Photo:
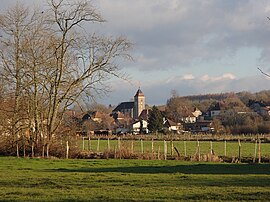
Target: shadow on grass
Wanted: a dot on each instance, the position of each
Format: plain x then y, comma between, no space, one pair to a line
185,169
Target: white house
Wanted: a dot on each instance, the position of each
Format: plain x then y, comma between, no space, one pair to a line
171,126
140,125
196,112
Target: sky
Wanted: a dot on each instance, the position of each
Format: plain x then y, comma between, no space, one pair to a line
189,46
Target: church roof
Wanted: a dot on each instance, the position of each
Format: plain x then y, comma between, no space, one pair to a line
139,93
124,105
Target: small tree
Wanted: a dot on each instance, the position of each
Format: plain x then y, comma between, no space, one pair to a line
155,120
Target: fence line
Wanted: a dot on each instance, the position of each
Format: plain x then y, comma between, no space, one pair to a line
238,150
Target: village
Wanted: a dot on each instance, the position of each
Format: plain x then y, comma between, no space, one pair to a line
132,117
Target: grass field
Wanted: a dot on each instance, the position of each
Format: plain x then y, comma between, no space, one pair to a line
247,148
131,180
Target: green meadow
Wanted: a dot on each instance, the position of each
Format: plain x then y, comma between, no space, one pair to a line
24,179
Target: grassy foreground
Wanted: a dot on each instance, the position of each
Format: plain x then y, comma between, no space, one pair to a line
131,180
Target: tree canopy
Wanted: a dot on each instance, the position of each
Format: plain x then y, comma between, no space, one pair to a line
155,122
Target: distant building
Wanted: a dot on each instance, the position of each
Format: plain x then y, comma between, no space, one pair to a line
215,110
132,109
139,104
259,107
125,108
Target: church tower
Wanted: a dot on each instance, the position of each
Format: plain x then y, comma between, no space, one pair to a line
139,104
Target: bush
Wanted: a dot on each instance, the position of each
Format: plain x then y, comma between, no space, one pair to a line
263,128
247,129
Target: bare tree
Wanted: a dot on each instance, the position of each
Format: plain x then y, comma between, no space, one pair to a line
14,24
51,63
81,63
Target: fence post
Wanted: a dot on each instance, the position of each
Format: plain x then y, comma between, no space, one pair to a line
225,148
67,150
132,147
259,152
89,143
165,150
185,148
171,148
198,150
211,148
119,143
158,153
239,150
17,148
152,146
32,148
109,146
83,143
255,152
142,146
98,145
114,152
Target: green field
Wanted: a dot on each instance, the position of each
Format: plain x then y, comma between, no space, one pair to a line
247,148
131,180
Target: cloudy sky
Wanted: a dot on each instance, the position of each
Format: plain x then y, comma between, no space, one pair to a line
191,46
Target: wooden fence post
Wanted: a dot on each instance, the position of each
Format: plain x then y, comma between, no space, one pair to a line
225,148
198,150
32,149
43,150
119,147
171,148
83,143
98,145
89,143
185,148
132,147
67,147
165,150
109,146
152,146
158,153
17,149
259,151
119,143
255,152
211,148
239,150
142,146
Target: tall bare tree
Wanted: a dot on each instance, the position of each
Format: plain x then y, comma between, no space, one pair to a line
81,63
14,25
50,62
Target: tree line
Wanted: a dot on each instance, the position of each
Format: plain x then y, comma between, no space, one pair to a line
236,116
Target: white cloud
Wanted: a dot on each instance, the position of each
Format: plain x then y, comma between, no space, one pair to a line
225,76
188,77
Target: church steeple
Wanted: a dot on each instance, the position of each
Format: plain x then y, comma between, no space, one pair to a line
139,103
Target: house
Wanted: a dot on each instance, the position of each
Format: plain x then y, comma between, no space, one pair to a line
121,124
196,112
139,127
215,110
188,117
171,126
259,107
145,114
93,115
200,126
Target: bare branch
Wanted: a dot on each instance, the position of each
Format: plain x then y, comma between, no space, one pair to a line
268,75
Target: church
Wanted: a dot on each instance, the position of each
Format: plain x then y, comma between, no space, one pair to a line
132,109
